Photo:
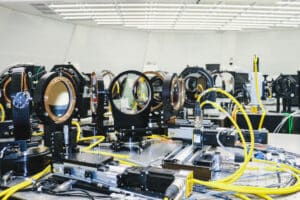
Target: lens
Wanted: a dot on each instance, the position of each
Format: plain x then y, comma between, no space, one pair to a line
191,84
175,93
133,95
59,99
225,81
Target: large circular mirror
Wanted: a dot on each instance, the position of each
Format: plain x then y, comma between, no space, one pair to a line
134,93
224,80
108,76
59,99
195,84
196,80
6,90
177,93
156,80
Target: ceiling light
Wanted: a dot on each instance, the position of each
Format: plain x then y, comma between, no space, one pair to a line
137,17
215,10
159,21
259,18
204,17
80,5
286,25
138,20
247,24
184,15
85,14
116,12
265,15
291,22
289,2
113,9
172,23
209,14
78,17
84,10
202,20
109,23
276,7
166,5
253,22
274,12
249,27
217,6
191,28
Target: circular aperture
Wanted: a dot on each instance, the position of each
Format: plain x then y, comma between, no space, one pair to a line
177,93
6,90
156,80
195,84
107,79
225,81
60,99
284,86
134,94
191,84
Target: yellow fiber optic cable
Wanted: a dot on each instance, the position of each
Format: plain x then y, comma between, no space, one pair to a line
10,191
218,107
263,114
242,196
2,112
259,190
100,139
235,176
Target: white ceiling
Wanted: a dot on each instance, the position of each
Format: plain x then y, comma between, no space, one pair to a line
231,15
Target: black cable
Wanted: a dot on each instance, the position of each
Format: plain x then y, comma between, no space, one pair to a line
48,186
78,195
73,192
83,191
279,179
219,195
292,181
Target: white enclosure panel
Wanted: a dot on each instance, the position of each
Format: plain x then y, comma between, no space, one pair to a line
228,46
26,38
104,48
278,50
173,51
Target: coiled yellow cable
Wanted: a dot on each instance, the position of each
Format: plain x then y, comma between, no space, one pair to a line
10,191
99,139
242,196
263,196
235,176
258,190
2,112
38,133
218,107
88,149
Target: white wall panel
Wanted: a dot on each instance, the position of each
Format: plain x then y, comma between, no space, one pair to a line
28,38
102,48
278,50
176,50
